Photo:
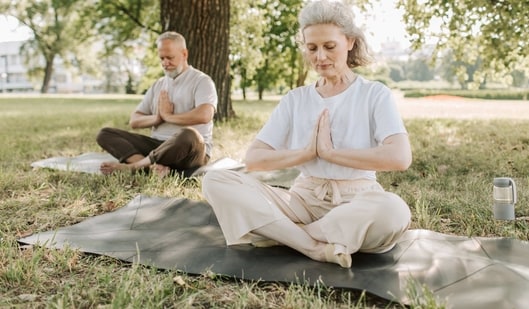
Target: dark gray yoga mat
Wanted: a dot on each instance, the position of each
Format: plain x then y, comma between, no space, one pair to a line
175,233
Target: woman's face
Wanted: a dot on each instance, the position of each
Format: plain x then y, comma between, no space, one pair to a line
326,47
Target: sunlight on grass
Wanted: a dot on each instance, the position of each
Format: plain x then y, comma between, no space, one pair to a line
426,217
421,297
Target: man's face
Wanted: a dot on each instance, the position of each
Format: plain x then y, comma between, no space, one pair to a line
172,57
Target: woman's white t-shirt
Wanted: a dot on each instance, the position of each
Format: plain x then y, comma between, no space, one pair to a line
361,117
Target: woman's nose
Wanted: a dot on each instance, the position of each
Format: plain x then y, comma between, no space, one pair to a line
320,54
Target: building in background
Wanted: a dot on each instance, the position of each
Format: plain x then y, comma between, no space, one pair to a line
393,50
14,77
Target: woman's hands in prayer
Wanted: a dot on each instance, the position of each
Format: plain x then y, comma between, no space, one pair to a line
394,153
312,147
321,142
324,139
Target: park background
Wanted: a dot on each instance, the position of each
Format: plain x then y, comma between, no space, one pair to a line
248,47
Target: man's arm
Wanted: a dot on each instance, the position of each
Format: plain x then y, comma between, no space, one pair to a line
198,115
201,114
140,120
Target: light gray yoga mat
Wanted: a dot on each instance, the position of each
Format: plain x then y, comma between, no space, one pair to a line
90,162
176,233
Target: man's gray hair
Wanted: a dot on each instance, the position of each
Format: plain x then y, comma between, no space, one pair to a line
173,36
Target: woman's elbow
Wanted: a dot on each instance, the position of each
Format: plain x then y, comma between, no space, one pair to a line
253,162
403,162
401,153
250,167
250,163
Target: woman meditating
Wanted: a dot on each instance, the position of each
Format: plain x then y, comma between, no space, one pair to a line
338,131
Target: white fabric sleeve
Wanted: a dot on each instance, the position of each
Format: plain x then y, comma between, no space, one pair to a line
387,118
206,92
277,129
146,105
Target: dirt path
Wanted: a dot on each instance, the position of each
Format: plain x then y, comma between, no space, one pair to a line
461,108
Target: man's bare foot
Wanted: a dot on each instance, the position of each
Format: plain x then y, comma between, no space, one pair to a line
160,170
108,168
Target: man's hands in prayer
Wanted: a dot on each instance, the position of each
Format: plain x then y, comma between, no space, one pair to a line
165,107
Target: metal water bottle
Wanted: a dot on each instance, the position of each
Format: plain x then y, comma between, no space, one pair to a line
504,195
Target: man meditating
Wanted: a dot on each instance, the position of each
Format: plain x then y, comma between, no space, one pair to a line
179,108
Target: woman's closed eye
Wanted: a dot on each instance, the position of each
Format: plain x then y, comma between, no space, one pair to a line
327,47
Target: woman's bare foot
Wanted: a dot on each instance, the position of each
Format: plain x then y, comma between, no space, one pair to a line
108,168
342,259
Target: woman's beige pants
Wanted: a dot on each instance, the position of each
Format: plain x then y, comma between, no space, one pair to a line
358,215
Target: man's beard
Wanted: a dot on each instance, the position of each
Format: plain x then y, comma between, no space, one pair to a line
174,73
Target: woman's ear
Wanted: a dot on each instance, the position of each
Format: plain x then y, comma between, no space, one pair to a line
351,44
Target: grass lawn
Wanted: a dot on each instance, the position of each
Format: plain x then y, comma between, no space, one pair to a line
448,187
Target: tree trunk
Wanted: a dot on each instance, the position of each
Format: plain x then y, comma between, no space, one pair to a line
48,72
205,25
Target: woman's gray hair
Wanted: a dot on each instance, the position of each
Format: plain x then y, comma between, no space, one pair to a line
173,36
342,16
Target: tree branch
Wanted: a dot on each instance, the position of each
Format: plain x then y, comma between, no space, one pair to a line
135,18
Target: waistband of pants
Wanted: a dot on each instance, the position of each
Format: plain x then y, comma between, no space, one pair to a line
334,188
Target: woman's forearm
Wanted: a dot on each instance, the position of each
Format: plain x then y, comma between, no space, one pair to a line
393,155
260,159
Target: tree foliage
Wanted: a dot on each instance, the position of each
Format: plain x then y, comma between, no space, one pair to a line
492,30
252,42
247,38
128,30
283,62
124,20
